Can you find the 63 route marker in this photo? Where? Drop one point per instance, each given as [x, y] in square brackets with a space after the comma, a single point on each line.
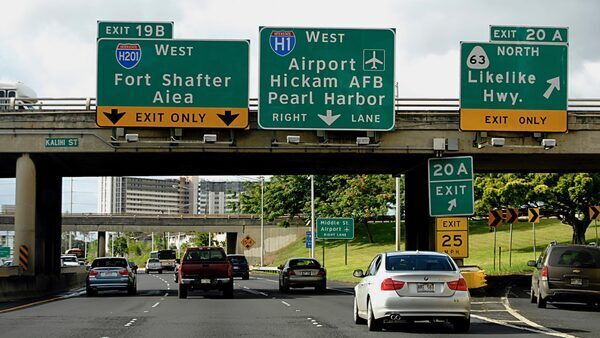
[513, 87]
[326, 79]
[451, 186]
[172, 83]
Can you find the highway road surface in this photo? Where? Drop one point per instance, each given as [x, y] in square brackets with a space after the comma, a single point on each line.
[258, 309]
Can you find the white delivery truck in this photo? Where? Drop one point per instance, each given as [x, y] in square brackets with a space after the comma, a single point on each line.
[16, 96]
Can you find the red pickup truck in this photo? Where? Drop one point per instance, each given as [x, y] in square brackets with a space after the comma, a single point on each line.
[205, 268]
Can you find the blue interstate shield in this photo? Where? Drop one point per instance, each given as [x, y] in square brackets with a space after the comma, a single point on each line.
[282, 42]
[128, 54]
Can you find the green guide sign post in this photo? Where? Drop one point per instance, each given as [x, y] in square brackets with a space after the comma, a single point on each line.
[451, 190]
[326, 79]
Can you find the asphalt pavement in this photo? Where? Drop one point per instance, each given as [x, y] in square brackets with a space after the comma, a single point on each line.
[258, 309]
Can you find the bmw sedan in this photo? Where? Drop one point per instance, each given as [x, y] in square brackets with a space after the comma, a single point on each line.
[302, 272]
[110, 273]
[410, 286]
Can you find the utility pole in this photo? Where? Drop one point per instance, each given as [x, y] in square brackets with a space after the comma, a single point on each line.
[398, 214]
[312, 216]
[262, 220]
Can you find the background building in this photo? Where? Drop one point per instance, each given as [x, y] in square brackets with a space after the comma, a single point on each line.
[219, 197]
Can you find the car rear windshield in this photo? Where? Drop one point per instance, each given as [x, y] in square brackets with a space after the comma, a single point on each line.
[237, 259]
[304, 263]
[418, 263]
[204, 255]
[153, 260]
[575, 257]
[69, 259]
[109, 263]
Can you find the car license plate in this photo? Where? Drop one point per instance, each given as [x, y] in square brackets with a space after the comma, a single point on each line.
[109, 274]
[205, 281]
[236, 268]
[425, 287]
[576, 281]
[305, 273]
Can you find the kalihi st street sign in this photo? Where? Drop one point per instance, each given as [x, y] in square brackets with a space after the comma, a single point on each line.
[326, 79]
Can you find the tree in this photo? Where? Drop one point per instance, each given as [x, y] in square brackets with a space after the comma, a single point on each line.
[566, 196]
[120, 246]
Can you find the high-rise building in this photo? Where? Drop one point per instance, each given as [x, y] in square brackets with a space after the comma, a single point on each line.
[219, 197]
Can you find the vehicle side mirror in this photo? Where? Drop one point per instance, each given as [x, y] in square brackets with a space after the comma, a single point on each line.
[88, 267]
[358, 273]
[178, 261]
[539, 265]
[280, 267]
[532, 263]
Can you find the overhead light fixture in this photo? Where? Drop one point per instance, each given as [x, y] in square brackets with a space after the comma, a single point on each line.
[132, 137]
[497, 141]
[439, 144]
[548, 143]
[210, 138]
[293, 139]
[363, 141]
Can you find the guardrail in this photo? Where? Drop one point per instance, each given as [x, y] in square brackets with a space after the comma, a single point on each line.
[16, 104]
[267, 269]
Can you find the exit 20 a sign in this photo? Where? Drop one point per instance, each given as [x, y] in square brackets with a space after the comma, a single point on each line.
[451, 190]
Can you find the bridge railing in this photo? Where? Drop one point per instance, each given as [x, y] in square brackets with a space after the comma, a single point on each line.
[403, 105]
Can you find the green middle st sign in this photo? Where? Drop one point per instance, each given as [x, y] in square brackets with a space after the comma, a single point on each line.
[326, 78]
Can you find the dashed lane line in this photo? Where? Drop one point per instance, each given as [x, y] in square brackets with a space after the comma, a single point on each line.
[285, 303]
[155, 305]
[504, 323]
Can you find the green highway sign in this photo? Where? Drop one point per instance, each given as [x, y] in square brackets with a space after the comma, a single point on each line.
[326, 78]
[513, 87]
[54, 142]
[558, 35]
[451, 190]
[335, 228]
[173, 83]
[134, 30]
[4, 251]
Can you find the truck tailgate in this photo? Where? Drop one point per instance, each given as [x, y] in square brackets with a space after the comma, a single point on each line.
[205, 269]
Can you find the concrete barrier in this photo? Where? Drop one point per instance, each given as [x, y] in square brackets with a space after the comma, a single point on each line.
[17, 287]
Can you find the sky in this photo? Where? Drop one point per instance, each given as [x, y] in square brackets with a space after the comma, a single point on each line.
[51, 45]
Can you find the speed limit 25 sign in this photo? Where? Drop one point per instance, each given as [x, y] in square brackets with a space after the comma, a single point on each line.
[452, 236]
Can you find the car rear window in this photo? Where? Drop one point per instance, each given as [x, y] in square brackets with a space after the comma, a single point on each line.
[69, 259]
[304, 263]
[109, 263]
[204, 255]
[575, 257]
[153, 260]
[237, 259]
[418, 263]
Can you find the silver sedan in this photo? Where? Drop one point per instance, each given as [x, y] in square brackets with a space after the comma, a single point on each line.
[409, 286]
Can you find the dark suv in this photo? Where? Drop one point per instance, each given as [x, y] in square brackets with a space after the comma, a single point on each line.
[240, 266]
[566, 273]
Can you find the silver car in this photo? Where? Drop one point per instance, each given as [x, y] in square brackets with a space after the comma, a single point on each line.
[110, 273]
[302, 272]
[409, 286]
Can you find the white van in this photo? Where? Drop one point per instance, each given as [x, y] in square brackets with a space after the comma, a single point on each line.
[23, 95]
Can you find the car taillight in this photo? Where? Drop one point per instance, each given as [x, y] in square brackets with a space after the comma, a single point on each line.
[544, 273]
[321, 272]
[458, 285]
[389, 284]
[93, 273]
[124, 272]
[291, 272]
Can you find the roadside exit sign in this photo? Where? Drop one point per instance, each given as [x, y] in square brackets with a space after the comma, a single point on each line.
[172, 83]
[326, 78]
[134, 30]
[451, 190]
[558, 35]
[513, 87]
[335, 228]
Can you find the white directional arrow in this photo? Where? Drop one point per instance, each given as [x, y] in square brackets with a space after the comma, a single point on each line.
[329, 118]
[554, 84]
[451, 204]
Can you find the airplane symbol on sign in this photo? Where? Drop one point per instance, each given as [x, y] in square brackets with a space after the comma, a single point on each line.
[374, 61]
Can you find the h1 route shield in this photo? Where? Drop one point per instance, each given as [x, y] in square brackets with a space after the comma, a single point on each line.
[513, 87]
[451, 190]
[173, 83]
[335, 228]
[326, 78]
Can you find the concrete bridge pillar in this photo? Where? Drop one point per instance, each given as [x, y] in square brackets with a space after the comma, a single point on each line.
[101, 243]
[48, 220]
[25, 213]
[419, 225]
[231, 240]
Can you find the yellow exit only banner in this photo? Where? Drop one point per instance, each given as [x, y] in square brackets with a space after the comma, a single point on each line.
[171, 117]
[513, 120]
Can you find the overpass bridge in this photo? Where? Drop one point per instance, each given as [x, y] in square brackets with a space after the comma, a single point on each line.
[29, 151]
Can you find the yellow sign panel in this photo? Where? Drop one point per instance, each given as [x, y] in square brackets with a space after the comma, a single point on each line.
[513, 120]
[451, 223]
[453, 243]
[247, 242]
[171, 117]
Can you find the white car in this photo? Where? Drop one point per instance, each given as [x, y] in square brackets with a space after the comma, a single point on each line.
[153, 264]
[69, 260]
[410, 286]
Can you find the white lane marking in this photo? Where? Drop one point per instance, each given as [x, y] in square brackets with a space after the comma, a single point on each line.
[340, 290]
[297, 310]
[264, 294]
[155, 305]
[488, 302]
[309, 318]
[491, 310]
[285, 303]
[503, 323]
[166, 294]
[146, 311]
[130, 322]
[319, 325]
[520, 317]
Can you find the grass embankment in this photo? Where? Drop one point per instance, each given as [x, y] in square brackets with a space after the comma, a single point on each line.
[481, 251]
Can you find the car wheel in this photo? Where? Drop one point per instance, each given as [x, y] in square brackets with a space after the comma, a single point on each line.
[321, 288]
[357, 318]
[285, 287]
[246, 276]
[228, 291]
[461, 325]
[541, 301]
[89, 292]
[372, 323]
[132, 290]
[159, 271]
[183, 291]
[532, 297]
